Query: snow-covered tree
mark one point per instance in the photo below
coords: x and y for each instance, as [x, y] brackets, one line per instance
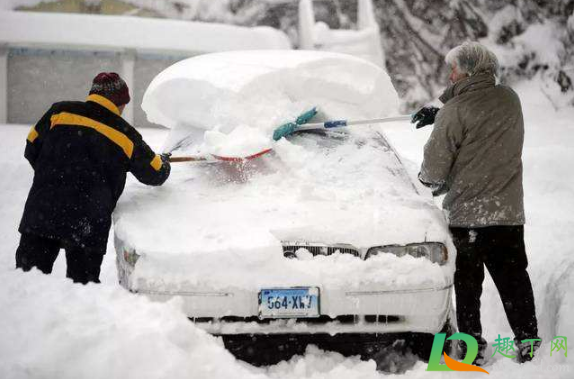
[530, 37]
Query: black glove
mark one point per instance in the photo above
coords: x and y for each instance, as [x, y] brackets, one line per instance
[165, 157]
[425, 116]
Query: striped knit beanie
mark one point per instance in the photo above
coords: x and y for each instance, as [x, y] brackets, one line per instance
[112, 87]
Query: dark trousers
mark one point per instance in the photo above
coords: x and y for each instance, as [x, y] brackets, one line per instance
[82, 264]
[501, 249]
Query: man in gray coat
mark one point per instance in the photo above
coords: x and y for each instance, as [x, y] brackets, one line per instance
[474, 156]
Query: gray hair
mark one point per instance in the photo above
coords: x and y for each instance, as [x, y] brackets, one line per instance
[472, 58]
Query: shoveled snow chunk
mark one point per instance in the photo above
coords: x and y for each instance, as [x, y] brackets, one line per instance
[227, 92]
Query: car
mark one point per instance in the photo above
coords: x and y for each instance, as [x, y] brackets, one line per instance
[325, 240]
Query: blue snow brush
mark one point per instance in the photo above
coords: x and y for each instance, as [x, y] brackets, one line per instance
[290, 127]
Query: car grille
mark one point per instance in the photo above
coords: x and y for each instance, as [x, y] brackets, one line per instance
[289, 249]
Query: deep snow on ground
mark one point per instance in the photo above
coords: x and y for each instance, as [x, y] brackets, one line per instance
[51, 328]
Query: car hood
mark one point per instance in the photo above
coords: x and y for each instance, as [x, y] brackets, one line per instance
[348, 189]
[215, 225]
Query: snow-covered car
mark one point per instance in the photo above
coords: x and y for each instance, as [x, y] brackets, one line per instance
[325, 240]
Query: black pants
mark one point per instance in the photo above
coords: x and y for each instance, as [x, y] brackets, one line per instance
[83, 264]
[501, 249]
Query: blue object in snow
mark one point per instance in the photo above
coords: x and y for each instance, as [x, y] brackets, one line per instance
[290, 127]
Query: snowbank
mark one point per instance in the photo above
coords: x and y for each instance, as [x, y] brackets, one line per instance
[257, 91]
[142, 34]
[56, 329]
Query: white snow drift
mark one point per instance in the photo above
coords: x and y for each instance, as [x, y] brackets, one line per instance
[240, 97]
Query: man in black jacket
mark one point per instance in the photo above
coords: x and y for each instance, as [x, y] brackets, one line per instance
[80, 153]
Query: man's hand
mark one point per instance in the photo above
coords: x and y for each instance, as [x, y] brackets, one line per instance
[165, 157]
[425, 116]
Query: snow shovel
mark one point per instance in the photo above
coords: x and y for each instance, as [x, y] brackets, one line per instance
[288, 129]
[215, 158]
[302, 119]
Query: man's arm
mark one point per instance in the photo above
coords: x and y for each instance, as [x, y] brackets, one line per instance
[36, 137]
[440, 151]
[148, 167]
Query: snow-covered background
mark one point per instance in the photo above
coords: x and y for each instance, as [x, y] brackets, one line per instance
[51, 328]
[530, 36]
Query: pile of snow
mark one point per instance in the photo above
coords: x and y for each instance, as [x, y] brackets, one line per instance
[52, 328]
[241, 97]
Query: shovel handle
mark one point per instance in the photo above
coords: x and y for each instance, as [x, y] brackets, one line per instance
[216, 158]
[341, 123]
[187, 159]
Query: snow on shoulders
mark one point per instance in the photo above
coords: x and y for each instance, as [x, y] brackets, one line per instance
[261, 90]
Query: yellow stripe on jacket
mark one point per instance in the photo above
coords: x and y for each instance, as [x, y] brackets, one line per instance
[112, 134]
[33, 134]
[156, 163]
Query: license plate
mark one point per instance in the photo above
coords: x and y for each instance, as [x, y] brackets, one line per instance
[296, 302]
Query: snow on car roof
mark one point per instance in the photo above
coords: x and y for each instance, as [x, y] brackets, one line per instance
[242, 96]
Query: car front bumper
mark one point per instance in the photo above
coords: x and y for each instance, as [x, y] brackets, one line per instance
[374, 311]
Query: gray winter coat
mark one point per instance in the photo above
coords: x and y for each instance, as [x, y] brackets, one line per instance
[474, 154]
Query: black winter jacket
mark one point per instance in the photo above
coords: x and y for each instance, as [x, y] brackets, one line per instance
[80, 153]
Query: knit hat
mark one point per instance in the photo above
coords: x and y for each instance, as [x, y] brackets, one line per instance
[112, 87]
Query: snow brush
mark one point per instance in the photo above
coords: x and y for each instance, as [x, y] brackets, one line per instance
[290, 128]
[302, 119]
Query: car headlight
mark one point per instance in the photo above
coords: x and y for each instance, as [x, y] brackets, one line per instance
[434, 251]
